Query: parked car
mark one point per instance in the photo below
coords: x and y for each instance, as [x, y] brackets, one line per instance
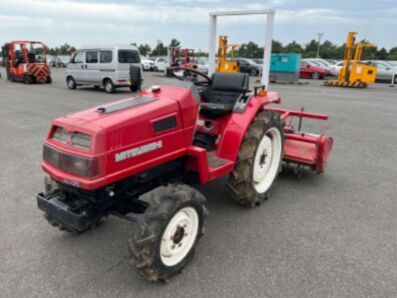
[258, 61]
[57, 61]
[394, 63]
[384, 70]
[147, 64]
[202, 65]
[310, 71]
[332, 61]
[65, 59]
[204, 60]
[319, 63]
[248, 66]
[336, 68]
[106, 67]
[160, 64]
[323, 63]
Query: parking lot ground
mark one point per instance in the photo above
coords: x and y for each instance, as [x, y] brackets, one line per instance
[333, 235]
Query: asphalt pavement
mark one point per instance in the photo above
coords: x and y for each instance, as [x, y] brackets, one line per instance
[330, 235]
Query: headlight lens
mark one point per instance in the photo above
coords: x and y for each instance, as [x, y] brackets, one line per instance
[77, 165]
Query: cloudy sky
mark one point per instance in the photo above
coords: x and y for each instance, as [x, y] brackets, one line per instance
[146, 21]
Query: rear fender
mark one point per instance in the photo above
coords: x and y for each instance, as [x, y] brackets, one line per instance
[237, 125]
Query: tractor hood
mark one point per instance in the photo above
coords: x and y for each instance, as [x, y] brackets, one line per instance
[134, 120]
[124, 137]
[155, 101]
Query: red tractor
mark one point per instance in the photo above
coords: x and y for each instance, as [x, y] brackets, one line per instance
[183, 58]
[25, 61]
[138, 159]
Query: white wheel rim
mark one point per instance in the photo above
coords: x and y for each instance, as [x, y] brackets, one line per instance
[179, 236]
[267, 160]
[71, 84]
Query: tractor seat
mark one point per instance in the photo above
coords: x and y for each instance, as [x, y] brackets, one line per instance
[221, 96]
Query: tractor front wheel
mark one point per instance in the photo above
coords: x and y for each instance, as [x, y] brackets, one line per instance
[167, 232]
[259, 160]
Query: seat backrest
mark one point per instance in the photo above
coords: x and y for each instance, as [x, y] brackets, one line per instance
[226, 88]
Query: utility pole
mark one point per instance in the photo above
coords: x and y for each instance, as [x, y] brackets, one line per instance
[319, 42]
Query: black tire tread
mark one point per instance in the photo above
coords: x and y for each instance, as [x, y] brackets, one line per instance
[74, 83]
[163, 202]
[28, 79]
[113, 89]
[240, 181]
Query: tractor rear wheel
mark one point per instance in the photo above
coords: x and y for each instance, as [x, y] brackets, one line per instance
[168, 232]
[259, 160]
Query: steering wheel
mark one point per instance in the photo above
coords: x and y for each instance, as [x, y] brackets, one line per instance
[192, 77]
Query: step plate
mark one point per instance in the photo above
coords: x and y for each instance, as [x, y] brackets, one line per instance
[215, 162]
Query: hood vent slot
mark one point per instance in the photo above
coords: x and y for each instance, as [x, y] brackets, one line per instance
[165, 124]
[125, 105]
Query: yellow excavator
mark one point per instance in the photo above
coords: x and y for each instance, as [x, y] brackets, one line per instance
[353, 73]
[223, 64]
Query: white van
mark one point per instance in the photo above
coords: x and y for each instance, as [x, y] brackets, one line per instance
[106, 67]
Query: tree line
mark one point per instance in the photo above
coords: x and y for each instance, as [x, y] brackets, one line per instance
[64, 49]
[328, 50]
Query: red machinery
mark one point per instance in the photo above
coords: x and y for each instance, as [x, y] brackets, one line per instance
[179, 57]
[25, 61]
[137, 159]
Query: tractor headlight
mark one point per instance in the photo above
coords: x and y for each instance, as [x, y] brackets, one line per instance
[73, 164]
[79, 165]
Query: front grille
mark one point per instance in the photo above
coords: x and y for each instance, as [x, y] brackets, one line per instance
[77, 165]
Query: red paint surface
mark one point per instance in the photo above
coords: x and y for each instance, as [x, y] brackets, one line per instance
[133, 127]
